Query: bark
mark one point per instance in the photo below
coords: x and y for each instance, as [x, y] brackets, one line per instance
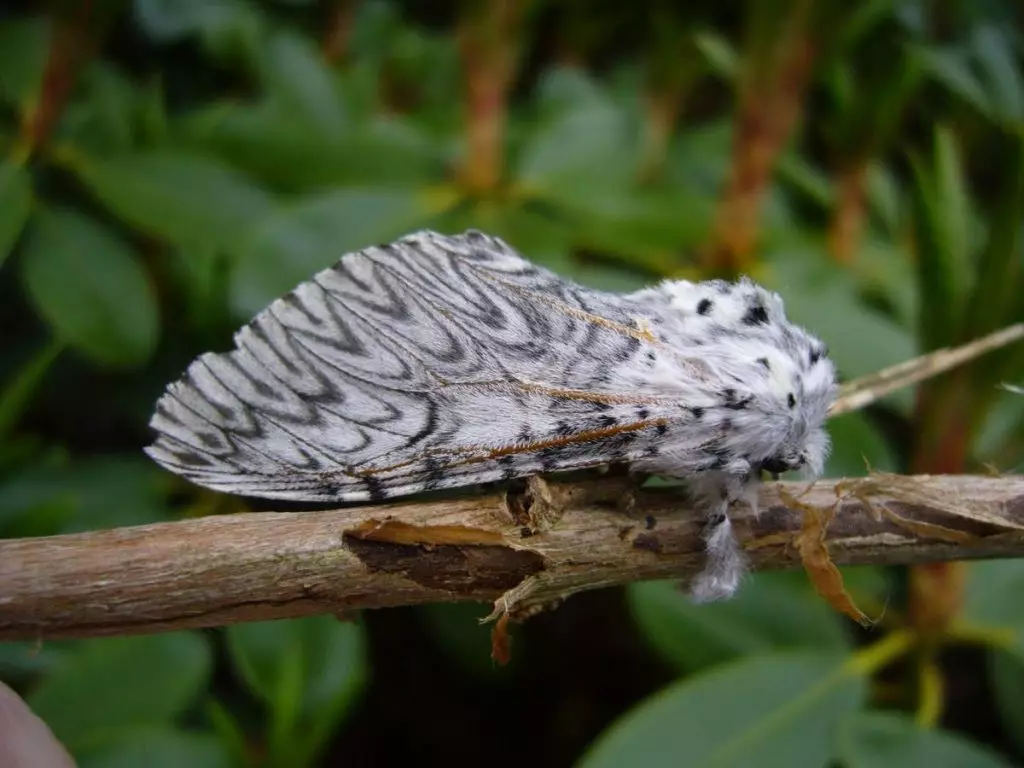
[526, 550]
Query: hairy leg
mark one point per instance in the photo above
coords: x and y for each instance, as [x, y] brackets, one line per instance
[726, 563]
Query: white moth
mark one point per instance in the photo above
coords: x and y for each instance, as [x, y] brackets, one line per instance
[436, 362]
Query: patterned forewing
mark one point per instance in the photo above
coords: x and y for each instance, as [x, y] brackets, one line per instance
[429, 363]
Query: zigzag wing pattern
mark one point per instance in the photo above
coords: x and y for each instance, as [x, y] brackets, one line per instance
[432, 362]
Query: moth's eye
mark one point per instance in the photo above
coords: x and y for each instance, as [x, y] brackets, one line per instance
[776, 465]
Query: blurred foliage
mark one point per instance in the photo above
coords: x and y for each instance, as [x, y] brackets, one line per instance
[168, 168]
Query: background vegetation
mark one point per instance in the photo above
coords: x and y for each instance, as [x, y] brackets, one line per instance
[168, 167]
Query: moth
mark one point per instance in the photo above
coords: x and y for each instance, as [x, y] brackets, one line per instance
[442, 361]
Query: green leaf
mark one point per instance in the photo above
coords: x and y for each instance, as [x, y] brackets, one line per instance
[719, 53]
[229, 731]
[999, 71]
[984, 73]
[699, 158]
[884, 198]
[152, 114]
[16, 394]
[110, 686]
[170, 20]
[857, 448]
[645, 227]
[15, 202]
[772, 710]
[297, 242]
[27, 659]
[995, 299]
[885, 274]
[885, 740]
[89, 493]
[103, 117]
[807, 179]
[997, 437]
[230, 30]
[1006, 676]
[185, 197]
[950, 69]
[158, 748]
[265, 140]
[87, 284]
[943, 223]
[860, 21]
[297, 77]
[582, 151]
[992, 595]
[24, 46]
[308, 672]
[860, 340]
[890, 103]
[772, 611]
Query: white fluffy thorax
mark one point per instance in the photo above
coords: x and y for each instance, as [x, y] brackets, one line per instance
[761, 386]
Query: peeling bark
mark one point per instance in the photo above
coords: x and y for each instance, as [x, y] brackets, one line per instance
[524, 551]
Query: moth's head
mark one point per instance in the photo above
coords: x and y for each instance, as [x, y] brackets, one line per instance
[786, 372]
[806, 453]
[805, 389]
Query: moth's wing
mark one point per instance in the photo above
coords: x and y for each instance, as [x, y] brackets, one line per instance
[428, 363]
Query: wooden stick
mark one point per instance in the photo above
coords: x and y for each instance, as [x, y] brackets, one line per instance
[862, 392]
[526, 550]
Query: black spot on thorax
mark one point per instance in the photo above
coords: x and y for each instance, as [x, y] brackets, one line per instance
[756, 315]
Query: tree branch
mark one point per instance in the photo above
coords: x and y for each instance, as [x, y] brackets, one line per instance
[528, 549]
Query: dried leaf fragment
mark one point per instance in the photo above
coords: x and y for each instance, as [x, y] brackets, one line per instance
[501, 641]
[823, 573]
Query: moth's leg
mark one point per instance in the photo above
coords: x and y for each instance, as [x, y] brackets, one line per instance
[726, 563]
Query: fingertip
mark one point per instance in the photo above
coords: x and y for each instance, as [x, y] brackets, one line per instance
[25, 740]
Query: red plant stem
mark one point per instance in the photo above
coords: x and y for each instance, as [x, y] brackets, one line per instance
[663, 108]
[488, 41]
[770, 107]
[847, 224]
[943, 416]
[69, 45]
[341, 16]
